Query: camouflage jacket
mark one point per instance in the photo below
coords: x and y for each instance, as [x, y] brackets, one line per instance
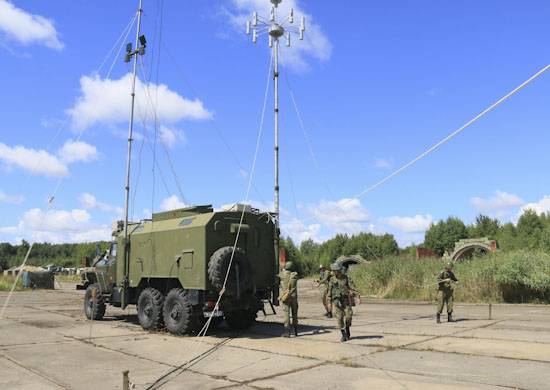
[324, 278]
[445, 279]
[289, 280]
[339, 290]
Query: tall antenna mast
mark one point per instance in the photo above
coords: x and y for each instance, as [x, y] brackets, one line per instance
[275, 28]
[141, 43]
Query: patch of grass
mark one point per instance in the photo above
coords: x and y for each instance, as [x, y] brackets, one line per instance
[517, 276]
[6, 282]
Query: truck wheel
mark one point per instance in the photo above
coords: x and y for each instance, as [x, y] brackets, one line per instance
[94, 304]
[217, 269]
[240, 319]
[178, 312]
[149, 308]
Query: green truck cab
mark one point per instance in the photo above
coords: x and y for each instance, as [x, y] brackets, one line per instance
[175, 266]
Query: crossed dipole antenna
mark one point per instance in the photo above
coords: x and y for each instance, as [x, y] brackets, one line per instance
[275, 28]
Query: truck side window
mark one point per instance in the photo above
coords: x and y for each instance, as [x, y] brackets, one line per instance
[112, 253]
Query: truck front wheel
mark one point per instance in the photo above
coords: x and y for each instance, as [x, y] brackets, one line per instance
[178, 312]
[149, 308]
[94, 304]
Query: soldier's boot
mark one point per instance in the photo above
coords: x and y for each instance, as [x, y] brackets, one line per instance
[438, 319]
[348, 334]
[296, 330]
[344, 335]
[286, 332]
[450, 317]
[329, 314]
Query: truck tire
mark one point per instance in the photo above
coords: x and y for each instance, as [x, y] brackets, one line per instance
[240, 319]
[94, 303]
[178, 312]
[149, 308]
[217, 269]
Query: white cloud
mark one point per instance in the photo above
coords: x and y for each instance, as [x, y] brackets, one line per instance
[417, 224]
[12, 199]
[105, 101]
[299, 231]
[499, 205]
[171, 203]
[34, 161]
[382, 163]
[540, 207]
[315, 45]
[89, 201]
[171, 137]
[26, 28]
[58, 226]
[343, 216]
[75, 151]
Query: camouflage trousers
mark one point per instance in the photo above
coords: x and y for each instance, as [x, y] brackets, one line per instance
[343, 315]
[290, 308]
[324, 295]
[445, 297]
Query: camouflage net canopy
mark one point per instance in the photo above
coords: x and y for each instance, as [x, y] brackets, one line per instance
[347, 261]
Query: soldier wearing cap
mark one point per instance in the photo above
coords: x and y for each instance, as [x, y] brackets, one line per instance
[289, 298]
[324, 277]
[339, 295]
[445, 281]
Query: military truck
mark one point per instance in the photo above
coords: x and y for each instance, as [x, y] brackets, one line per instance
[173, 267]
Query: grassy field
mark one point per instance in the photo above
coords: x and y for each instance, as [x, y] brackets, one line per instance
[6, 282]
[518, 276]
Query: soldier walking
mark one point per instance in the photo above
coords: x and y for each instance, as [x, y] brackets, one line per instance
[339, 295]
[289, 298]
[324, 277]
[445, 281]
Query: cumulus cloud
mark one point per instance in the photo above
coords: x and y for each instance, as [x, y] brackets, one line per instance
[499, 205]
[34, 161]
[540, 207]
[343, 216]
[25, 28]
[299, 231]
[417, 224]
[105, 101]
[315, 46]
[89, 201]
[171, 203]
[58, 226]
[41, 162]
[12, 199]
[171, 137]
[75, 151]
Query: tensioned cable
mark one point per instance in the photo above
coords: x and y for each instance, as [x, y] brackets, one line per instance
[123, 34]
[452, 135]
[204, 329]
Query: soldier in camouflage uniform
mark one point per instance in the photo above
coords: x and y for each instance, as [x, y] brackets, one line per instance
[445, 281]
[340, 299]
[289, 288]
[324, 277]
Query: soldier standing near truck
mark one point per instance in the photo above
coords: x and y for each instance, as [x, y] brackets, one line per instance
[339, 295]
[445, 281]
[289, 298]
[324, 277]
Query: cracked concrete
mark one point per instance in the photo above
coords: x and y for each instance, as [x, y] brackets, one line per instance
[46, 343]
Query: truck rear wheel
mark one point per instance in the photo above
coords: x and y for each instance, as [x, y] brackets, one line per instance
[178, 312]
[94, 304]
[149, 308]
[239, 280]
[240, 319]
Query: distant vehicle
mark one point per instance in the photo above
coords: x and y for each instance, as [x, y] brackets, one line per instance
[176, 266]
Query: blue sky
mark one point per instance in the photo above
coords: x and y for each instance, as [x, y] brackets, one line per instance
[376, 83]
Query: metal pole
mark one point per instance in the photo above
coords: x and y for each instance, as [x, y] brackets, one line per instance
[276, 150]
[129, 156]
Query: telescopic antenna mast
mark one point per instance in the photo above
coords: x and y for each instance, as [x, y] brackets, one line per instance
[141, 43]
[275, 28]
